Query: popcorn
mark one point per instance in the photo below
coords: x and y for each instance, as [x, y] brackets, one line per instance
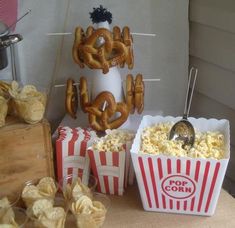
[207, 144]
[114, 141]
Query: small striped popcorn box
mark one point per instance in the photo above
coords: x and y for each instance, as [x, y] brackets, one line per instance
[180, 184]
[109, 169]
[71, 152]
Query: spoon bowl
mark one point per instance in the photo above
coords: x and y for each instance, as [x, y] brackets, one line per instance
[183, 130]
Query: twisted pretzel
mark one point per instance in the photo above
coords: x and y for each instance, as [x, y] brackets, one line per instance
[116, 49]
[96, 119]
[95, 56]
[71, 101]
[130, 93]
[139, 93]
[116, 123]
[128, 41]
[79, 39]
[83, 94]
[102, 120]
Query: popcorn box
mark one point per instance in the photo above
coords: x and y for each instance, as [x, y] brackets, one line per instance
[71, 152]
[180, 184]
[109, 169]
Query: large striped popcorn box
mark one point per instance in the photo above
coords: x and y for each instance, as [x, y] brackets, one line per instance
[109, 169]
[180, 184]
[71, 152]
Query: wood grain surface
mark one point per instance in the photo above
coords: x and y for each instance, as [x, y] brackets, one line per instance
[25, 154]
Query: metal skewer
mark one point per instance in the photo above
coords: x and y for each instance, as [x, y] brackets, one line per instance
[70, 33]
[15, 22]
[145, 80]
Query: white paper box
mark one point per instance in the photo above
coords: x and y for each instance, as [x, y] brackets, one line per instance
[180, 184]
[109, 169]
[71, 151]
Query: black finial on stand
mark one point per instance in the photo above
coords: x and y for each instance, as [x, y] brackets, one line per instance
[100, 14]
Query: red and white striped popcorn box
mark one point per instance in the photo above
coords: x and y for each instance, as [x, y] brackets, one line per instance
[71, 152]
[109, 169]
[180, 184]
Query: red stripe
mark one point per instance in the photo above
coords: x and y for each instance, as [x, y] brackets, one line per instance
[145, 181]
[178, 164]
[71, 144]
[83, 147]
[203, 186]
[153, 181]
[159, 165]
[188, 163]
[163, 201]
[192, 203]
[105, 177]
[93, 167]
[198, 164]
[217, 167]
[178, 205]
[171, 204]
[70, 171]
[115, 179]
[185, 205]
[80, 172]
[169, 166]
[59, 159]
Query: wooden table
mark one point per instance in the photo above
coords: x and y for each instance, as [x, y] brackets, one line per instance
[127, 211]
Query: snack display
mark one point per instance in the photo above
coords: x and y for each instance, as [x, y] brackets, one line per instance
[155, 140]
[110, 161]
[44, 215]
[27, 102]
[71, 101]
[101, 120]
[117, 48]
[88, 213]
[45, 188]
[71, 152]
[6, 212]
[114, 141]
[73, 190]
[102, 48]
[172, 179]
[10, 216]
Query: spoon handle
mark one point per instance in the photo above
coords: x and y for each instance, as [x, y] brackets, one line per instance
[189, 94]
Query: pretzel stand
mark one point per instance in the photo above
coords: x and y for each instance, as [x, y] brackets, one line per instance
[103, 51]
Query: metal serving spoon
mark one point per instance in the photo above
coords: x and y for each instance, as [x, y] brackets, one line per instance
[183, 130]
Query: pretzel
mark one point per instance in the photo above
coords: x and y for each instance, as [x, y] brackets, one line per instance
[71, 101]
[118, 55]
[89, 31]
[94, 56]
[130, 93]
[139, 93]
[113, 124]
[116, 33]
[128, 41]
[83, 94]
[79, 38]
[94, 112]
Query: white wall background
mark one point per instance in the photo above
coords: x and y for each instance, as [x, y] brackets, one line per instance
[46, 59]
